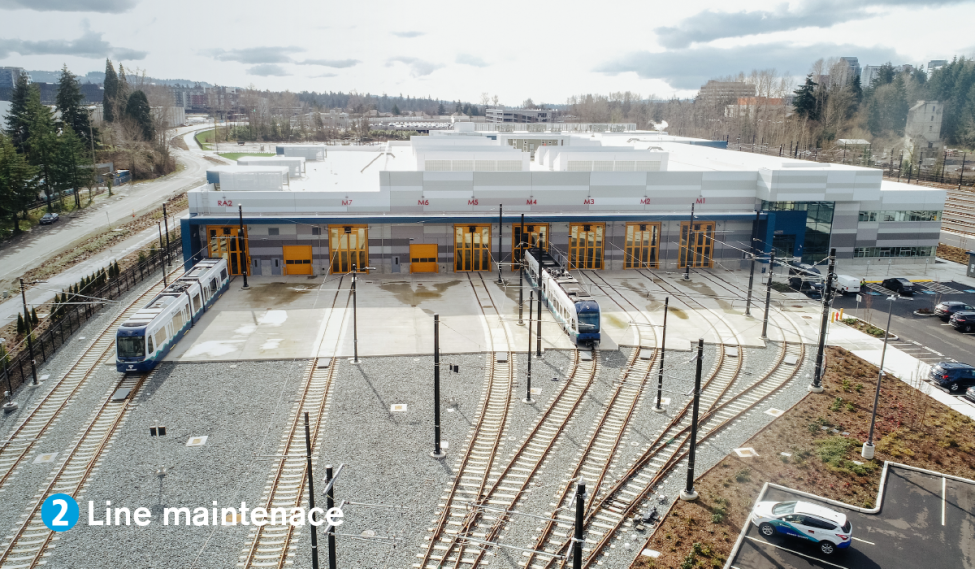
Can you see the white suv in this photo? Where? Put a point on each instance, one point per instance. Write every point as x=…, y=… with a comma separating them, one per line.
x=830, y=529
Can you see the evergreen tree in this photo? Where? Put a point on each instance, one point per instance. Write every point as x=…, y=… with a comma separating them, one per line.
x=122, y=96
x=110, y=96
x=71, y=167
x=395, y=110
x=21, y=327
x=441, y=110
x=42, y=143
x=70, y=103
x=856, y=90
x=17, y=183
x=805, y=100
x=33, y=316
x=139, y=111
x=18, y=125
x=118, y=271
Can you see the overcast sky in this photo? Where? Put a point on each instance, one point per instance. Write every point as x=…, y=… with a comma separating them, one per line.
x=458, y=50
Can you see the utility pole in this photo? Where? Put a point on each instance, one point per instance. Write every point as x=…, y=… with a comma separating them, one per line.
x=311, y=496
x=162, y=263
x=500, y=238
x=528, y=388
x=577, y=539
x=169, y=260
x=538, y=329
x=329, y=504
x=687, y=250
x=663, y=351
x=243, y=255
x=768, y=294
x=437, y=451
x=817, y=384
x=355, y=323
x=751, y=274
x=688, y=494
x=30, y=342
x=521, y=273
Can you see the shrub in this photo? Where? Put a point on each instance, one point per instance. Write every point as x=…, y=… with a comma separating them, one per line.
x=743, y=475
x=837, y=404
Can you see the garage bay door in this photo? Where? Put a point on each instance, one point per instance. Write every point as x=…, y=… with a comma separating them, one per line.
x=297, y=259
x=423, y=258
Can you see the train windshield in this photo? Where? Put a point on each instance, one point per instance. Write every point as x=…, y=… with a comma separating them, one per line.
x=589, y=322
x=132, y=347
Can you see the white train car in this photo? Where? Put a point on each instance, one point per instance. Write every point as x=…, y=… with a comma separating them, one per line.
x=143, y=340
x=571, y=304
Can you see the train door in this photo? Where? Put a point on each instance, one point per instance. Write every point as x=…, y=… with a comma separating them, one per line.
x=222, y=242
x=297, y=259
x=586, y=245
x=423, y=258
x=536, y=235
x=348, y=245
x=696, y=244
x=472, y=247
x=641, y=246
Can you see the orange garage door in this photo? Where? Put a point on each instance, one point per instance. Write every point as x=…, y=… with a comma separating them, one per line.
x=297, y=259
x=423, y=258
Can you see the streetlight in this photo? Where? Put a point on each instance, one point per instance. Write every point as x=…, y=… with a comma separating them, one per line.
x=240, y=244
x=868, y=447
x=27, y=321
x=355, y=322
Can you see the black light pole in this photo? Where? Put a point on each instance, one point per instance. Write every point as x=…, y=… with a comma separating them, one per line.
x=528, y=389
x=30, y=343
x=751, y=274
x=355, y=323
x=538, y=329
x=867, y=450
x=688, y=494
x=768, y=294
x=521, y=273
x=329, y=504
x=10, y=405
x=817, y=384
x=162, y=264
x=663, y=351
x=687, y=250
x=311, y=496
x=169, y=260
x=437, y=451
x=577, y=539
x=500, y=238
x=240, y=248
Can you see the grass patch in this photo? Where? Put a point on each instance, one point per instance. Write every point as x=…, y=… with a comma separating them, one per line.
x=782, y=287
x=204, y=138
x=236, y=155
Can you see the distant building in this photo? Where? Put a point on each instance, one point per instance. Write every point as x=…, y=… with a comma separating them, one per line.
x=502, y=115
x=851, y=70
x=922, y=134
x=748, y=106
x=721, y=93
x=936, y=64
x=871, y=72
x=8, y=76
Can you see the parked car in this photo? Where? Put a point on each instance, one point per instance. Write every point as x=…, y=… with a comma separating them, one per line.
x=899, y=285
x=963, y=320
x=953, y=376
x=970, y=394
x=845, y=284
x=810, y=286
x=948, y=308
x=829, y=528
x=803, y=269
x=49, y=218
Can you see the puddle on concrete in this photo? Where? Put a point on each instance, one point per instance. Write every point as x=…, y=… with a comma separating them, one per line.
x=678, y=313
x=403, y=291
x=275, y=294
x=615, y=320
x=213, y=348
x=708, y=291
x=628, y=285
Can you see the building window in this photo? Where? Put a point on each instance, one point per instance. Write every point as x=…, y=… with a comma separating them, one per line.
x=273, y=231
x=819, y=223
x=316, y=230
x=698, y=242
x=586, y=245
x=900, y=215
x=893, y=251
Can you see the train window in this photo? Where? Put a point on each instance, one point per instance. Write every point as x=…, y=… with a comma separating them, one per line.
x=213, y=285
x=131, y=347
x=149, y=339
x=196, y=303
x=223, y=274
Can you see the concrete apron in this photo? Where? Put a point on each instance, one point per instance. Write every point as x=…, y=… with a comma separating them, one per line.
x=295, y=317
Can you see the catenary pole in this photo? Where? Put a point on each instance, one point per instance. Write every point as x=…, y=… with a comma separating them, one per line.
x=240, y=247
x=577, y=539
x=751, y=274
x=538, y=324
x=689, y=248
x=817, y=384
x=768, y=294
x=311, y=495
x=663, y=351
x=437, y=451
x=329, y=504
x=30, y=332
x=500, y=239
x=169, y=260
x=688, y=494
x=521, y=272
x=355, y=327
x=528, y=387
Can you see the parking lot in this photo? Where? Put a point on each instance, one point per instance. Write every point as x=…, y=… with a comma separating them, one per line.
x=925, y=520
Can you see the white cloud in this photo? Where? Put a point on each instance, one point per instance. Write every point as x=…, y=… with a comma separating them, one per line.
x=267, y=70
x=418, y=67
x=89, y=45
x=105, y=6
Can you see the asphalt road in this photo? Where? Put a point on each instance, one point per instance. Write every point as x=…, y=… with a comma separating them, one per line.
x=916, y=333
x=926, y=521
x=33, y=249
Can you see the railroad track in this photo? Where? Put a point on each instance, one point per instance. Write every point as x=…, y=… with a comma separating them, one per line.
x=270, y=545
x=23, y=438
x=29, y=544
x=474, y=469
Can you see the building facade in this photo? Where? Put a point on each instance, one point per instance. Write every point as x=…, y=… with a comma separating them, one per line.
x=455, y=202
x=922, y=133
x=502, y=115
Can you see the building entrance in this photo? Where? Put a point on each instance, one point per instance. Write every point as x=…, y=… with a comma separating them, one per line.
x=536, y=235
x=696, y=244
x=586, y=245
x=348, y=245
x=472, y=247
x=222, y=242
x=423, y=258
x=642, y=244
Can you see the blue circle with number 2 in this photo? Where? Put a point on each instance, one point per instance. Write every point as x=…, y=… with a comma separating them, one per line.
x=59, y=512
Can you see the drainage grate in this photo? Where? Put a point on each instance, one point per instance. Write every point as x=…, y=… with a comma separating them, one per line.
x=197, y=441
x=42, y=458
x=774, y=412
x=746, y=452
x=398, y=408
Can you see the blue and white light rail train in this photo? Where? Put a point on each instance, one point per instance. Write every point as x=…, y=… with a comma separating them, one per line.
x=146, y=337
x=571, y=304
